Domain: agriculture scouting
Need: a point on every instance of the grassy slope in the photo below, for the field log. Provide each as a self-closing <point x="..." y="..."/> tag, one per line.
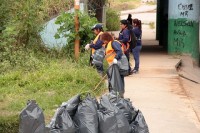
<point x="53" y="83"/>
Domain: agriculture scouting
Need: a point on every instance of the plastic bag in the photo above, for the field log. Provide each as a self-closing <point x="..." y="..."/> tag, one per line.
<point x="139" y="124"/>
<point x="32" y="119"/>
<point x="122" y="122"/>
<point x="86" y="117"/>
<point x="115" y="80"/>
<point x="61" y="122"/>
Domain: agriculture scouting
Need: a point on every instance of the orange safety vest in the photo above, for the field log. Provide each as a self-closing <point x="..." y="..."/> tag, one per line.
<point x="110" y="52"/>
<point x="95" y="40"/>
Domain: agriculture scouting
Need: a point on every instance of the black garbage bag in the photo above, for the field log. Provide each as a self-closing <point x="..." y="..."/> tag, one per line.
<point x="124" y="105"/>
<point x="139" y="125"/>
<point x="107" y="121"/>
<point x="71" y="105"/>
<point x="108" y="102"/>
<point x="86" y="117"/>
<point x="127" y="109"/>
<point x="114" y="79"/>
<point x="61" y="122"/>
<point x="32" y="119"/>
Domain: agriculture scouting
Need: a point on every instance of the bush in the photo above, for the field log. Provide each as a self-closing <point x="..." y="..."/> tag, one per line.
<point x="67" y="29"/>
<point x="112" y="20"/>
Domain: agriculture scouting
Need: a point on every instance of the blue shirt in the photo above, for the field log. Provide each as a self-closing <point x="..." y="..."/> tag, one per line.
<point x="138" y="34"/>
<point x="124" y="36"/>
<point x="98" y="44"/>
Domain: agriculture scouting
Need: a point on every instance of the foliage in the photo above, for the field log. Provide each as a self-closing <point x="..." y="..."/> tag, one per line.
<point x="20" y="23"/>
<point x="67" y="29"/>
<point x="112" y="20"/>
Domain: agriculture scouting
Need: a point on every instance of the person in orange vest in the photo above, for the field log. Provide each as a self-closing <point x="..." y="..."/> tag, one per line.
<point x="114" y="51"/>
<point x="95" y="45"/>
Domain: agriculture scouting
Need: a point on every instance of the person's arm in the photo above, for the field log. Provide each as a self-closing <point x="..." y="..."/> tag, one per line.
<point x="98" y="44"/>
<point x="125" y="37"/>
<point x="117" y="47"/>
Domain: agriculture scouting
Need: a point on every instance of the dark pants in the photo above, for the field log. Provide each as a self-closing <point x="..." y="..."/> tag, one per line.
<point x="127" y="53"/>
<point x="136" y="56"/>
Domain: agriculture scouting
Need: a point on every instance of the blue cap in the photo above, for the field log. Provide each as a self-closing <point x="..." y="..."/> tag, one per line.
<point x="97" y="26"/>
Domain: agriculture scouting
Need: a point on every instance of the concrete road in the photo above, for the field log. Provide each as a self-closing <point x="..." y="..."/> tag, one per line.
<point x="158" y="91"/>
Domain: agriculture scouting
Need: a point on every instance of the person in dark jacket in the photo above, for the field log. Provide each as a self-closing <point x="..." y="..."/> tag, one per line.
<point x="136" y="51"/>
<point x="124" y="38"/>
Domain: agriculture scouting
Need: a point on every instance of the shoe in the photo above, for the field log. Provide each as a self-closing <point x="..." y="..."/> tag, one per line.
<point x="133" y="71"/>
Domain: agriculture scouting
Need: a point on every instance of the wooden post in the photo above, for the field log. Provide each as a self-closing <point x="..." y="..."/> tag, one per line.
<point x="77" y="40"/>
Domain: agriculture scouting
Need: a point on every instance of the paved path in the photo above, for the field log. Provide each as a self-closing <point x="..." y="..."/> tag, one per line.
<point x="170" y="103"/>
<point x="158" y="92"/>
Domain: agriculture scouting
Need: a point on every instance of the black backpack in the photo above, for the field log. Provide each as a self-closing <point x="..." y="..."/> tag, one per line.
<point x="132" y="40"/>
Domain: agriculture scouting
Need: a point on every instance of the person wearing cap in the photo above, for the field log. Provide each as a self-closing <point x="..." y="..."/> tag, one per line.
<point x="96" y="44"/>
<point x="124" y="37"/>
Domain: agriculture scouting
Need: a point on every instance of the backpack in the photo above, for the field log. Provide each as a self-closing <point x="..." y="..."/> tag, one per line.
<point x="133" y="39"/>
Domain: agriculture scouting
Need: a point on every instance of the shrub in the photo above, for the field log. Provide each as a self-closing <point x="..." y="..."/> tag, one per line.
<point x="112" y="20"/>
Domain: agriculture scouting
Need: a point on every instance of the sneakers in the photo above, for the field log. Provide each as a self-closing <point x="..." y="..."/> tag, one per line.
<point x="133" y="71"/>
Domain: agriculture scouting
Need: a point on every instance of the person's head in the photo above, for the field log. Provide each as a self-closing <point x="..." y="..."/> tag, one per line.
<point x="97" y="28"/>
<point x="124" y="23"/>
<point x="106" y="37"/>
<point x="137" y="23"/>
<point x="129" y="16"/>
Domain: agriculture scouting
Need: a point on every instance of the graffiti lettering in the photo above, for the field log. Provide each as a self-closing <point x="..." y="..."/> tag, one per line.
<point x="184" y="23"/>
<point x="180" y="33"/>
<point x="179" y="42"/>
<point x="184" y="14"/>
<point x="185" y="6"/>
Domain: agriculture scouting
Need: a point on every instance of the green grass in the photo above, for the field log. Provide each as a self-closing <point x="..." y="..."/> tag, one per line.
<point x="54" y="82"/>
<point x="120" y="5"/>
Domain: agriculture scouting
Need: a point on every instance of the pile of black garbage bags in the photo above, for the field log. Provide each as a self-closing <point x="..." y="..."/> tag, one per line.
<point x="84" y="114"/>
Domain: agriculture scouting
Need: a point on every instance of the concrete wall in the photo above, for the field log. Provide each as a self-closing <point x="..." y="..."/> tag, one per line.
<point x="184" y="27"/>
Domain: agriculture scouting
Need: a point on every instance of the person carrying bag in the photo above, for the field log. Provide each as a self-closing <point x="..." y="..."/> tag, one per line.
<point x="114" y="54"/>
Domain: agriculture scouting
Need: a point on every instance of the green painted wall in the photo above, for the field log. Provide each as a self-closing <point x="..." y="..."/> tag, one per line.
<point x="183" y="37"/>
<point x="183" y="30"/>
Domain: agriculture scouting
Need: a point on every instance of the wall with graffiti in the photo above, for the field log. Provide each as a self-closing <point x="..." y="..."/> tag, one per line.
<point x="183" y="35"/>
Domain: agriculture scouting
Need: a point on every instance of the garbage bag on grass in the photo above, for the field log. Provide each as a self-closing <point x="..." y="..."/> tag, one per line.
<point x="127" y="108"/>
<point x="32" y="119"/>
<point x="124" y="105"/>
<point x="86" y="117"/>
<point x="139" y="125"/>
<point x="107" y="121"/>
<point x="108" y="102"/>
<point x="61" y="122"/>
<point x="72" y="104"/>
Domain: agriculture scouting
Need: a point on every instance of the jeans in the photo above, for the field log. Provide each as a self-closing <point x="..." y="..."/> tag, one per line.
<point x="128" y="57"/>
<point x="136" y="56"/>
